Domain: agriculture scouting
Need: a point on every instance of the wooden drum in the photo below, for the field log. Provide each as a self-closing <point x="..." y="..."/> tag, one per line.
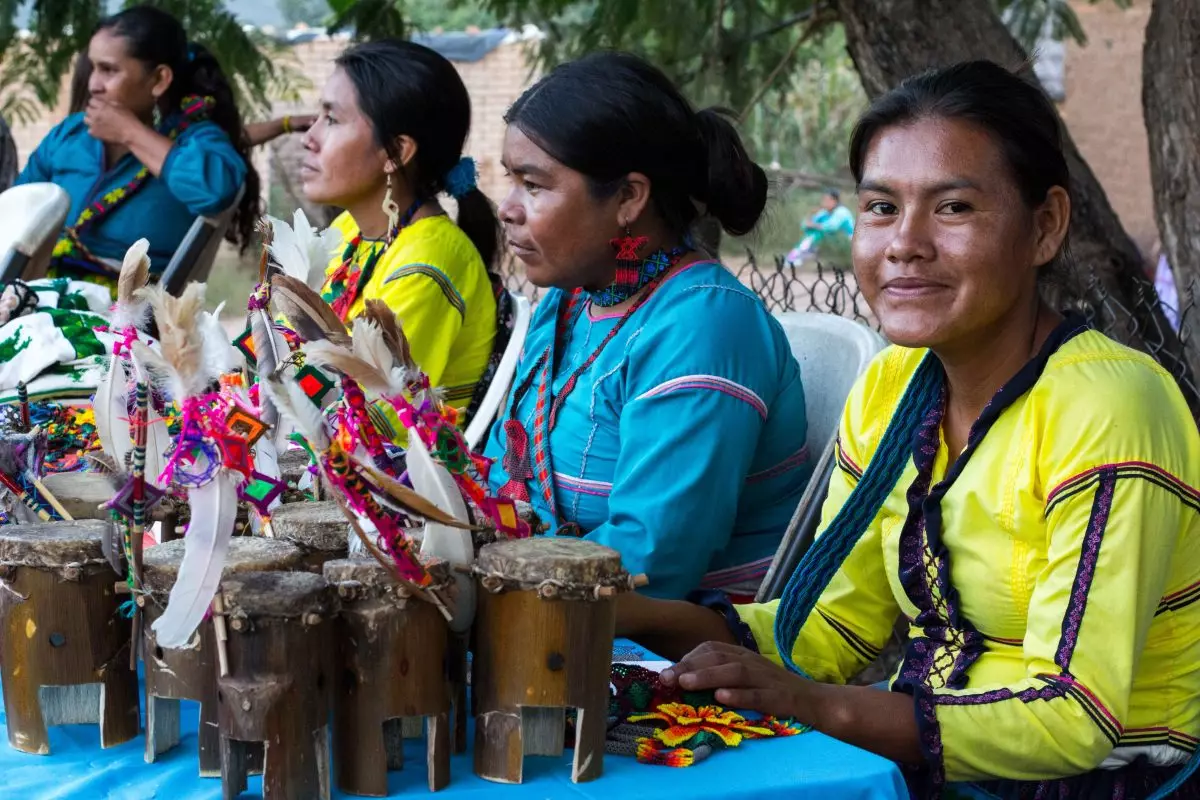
<point x="278" y="686"/>
<point x="320" y="529"/>
<point x="64" y="655"/>
<point x="544" y="635"/>
<point x="392" y="650"/>
<point x="190" y="673"/>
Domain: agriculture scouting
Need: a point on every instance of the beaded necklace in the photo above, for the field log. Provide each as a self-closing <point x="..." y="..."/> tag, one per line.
<point x="348" y="280"/>
<point x="516" y="459"/>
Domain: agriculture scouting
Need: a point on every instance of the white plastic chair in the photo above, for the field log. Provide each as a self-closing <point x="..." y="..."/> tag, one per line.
<point x="31" y="217"/>
<point x="833" y="351"/>
<point x="493" y="400"/>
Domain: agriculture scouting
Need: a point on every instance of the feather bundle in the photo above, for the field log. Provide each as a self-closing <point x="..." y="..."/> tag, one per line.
<point x="129" y="311"/>
<point x="377" y="312"/>
<point x="301" y="251"/>
<point x="307" y="311"/>
<point x="454" y="544"/>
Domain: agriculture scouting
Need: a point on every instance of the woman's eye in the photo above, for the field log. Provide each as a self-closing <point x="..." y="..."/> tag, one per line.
<point x="881" y="208"/>
<point x="955" y="207"/>
<point x="530" y="187"/>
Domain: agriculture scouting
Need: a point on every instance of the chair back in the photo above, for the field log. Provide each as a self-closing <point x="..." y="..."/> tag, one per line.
<point x="194" y="257"/>
<point x="32" y="216"/>
<point x="833" y="351"/>
<point x="497" y="391"/>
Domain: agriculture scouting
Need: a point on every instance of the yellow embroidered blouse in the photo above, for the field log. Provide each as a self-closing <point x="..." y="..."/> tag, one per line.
<point x="434" y="279"/>
<point x="1073" y="544"/>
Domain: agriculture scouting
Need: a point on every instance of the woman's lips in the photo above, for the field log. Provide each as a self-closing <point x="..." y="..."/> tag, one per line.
<point x="912" y="287"/>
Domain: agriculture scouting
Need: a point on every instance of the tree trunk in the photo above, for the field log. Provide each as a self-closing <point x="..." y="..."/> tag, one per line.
<point x="1171" y="99"/>
<point x="892" y="39"/>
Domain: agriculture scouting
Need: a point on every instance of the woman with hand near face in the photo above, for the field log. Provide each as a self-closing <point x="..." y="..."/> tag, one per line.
<point x="657" y="408"/>
<point x="1020" y="487"/>
<point x="394" y="117"/>
<point x="159" y="144"/>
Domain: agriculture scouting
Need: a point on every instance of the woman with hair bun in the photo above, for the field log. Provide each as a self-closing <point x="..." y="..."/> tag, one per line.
<point x="394" y="118"/>
<point x="657" y="408"/>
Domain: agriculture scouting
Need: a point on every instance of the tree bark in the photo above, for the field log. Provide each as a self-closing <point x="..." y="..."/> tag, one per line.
<point x="1171" y="102"/>
<point x="890" y="40"/>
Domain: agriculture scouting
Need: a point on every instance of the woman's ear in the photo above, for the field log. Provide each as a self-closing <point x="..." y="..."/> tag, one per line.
<point x="406" y="152"/>
<point x="162" y="76"/>
<point x="1052" y="218"/>
<point x="633" y="197"/>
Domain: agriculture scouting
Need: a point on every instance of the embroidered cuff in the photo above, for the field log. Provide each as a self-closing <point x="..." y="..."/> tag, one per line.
<point x="719" y="602"/>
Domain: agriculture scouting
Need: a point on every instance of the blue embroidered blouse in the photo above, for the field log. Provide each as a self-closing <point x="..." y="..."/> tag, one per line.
<point x="201" y="176"/>
<point x="682" y="447"/>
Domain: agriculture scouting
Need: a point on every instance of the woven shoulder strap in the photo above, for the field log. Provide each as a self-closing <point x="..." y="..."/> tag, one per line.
<point x="830" y="549"/>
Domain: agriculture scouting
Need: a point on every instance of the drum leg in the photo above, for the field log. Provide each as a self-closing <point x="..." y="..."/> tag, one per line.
<point x="457" y="657"/>
<point x="119" y="716"/>
<point x="209" y="736"/>
<point x="361" y="748"/>
<point x="499" y="755"/>
<point x="437" y="751"/>
<point x="591" y="727"/>
<point x="393" y="741"/>
<point x="26" y="727"/>
<point x="293" y="769"/>
<point x="162" y="726"/>
<point x="233" y="768"/>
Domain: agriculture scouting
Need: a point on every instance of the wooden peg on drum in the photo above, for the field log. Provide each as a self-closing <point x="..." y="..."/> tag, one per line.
<point x="544" y="634"/>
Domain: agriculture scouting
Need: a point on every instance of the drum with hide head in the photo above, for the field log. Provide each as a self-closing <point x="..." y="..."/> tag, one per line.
<point x="64" y="648"/>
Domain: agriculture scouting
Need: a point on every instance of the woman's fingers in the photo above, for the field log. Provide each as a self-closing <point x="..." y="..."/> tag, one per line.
<point x="707" y="654"/>
<point x="721" y="675"/>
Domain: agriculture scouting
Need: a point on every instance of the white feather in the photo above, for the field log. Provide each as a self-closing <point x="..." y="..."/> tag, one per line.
<point x="433" y="482"/>
<point x="214" y="509"/>
<point x="300" y="250"/>
<point x="369" y="345"/>
<point x="295" y="406"/>
<point x="220" y="355"/>
<point x="110" y="405"/>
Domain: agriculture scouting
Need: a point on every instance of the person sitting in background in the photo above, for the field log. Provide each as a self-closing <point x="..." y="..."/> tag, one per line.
<point x="829" y="220"/>
<point x="394" y="118"/>
<point x="1021" y="490"/>
<point x="159" y="144"/>
<point x="257" y="133"/>
<point x="657" y="408"/>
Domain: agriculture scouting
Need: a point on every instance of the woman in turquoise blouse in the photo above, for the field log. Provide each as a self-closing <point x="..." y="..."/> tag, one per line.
<point x="160" y="143"/>
<point x="672" y="426"/>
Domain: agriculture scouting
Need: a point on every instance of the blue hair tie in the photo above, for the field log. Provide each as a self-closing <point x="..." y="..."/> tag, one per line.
<point x="461" y="179"/>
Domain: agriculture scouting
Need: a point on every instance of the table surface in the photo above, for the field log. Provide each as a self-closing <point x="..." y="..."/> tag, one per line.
<point x="811" y="765"/>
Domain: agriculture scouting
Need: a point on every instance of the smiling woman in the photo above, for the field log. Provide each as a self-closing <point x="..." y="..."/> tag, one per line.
<point x="394" y="118"/>
<point x="1020" y="488"/>
<point x="657" y="408"/>
<point x="159" y="143"/>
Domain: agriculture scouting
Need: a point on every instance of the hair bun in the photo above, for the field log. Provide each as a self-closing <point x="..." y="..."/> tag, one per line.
<point x="736" y="190"/>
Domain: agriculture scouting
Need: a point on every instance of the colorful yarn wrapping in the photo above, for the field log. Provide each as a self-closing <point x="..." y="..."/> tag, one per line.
<point x="200" y="434"/>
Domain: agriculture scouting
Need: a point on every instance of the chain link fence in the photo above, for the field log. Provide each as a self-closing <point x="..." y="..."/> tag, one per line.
<point x="833" y="290"/>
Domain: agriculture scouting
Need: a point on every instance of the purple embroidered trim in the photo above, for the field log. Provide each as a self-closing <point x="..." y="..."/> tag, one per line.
<point x="1088" y="555"/>
<point x="796" y="459"/>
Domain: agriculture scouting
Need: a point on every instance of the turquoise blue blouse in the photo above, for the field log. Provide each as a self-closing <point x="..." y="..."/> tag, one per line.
<point x="201" y="176"/>
<point x="682" y="446"/>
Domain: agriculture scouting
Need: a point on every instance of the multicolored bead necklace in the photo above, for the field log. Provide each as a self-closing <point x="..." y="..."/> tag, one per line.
<point x="346" y="283"/>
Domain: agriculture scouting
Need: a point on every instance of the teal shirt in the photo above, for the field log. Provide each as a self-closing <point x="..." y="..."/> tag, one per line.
<point x="682" y="446"/>
<point x="840" y="220"/>
<point x="201" y="176"/>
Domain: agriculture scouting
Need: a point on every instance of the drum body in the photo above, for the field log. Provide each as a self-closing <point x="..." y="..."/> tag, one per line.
<point x="190" y="673"/>
<point x="64" y="646"/>
<point x="278" y="687"/>
<point x="392" y="650"/>
<point x="544" y="635"/>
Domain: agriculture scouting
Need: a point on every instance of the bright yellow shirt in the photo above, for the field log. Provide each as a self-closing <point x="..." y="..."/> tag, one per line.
<point x="1073" y="541"/>
<point x="434" y="279"/>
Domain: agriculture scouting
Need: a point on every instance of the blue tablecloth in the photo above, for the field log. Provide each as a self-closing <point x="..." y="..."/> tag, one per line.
<point x="807" y="766"/>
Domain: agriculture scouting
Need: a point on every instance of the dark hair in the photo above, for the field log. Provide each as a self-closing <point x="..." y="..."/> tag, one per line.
<point x="406" y="89"/>
<point x="80" y="76"/>
<point x="610" y="114"/>
<point x="834" y="193"/>
<point x="1012" y="109"/>
<point x="154" y="37"/>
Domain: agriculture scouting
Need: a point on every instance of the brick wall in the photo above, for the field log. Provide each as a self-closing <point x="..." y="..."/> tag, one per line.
<point x="1103" y="109"/>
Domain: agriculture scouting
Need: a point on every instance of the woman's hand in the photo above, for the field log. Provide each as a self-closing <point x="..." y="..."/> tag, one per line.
<point x="111" y="123"/>
<point x="299" y="123"/>
<point x="743" y="680"/>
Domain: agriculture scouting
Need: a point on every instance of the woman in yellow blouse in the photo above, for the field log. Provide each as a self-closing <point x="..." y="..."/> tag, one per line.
<point x="1021" y="488"/>
<point x="394" y="117"/>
